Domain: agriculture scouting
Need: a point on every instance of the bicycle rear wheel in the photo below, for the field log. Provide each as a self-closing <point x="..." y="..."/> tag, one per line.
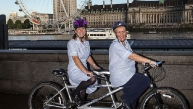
<point x="42" y="92"/>
<point x="169" y="98"/>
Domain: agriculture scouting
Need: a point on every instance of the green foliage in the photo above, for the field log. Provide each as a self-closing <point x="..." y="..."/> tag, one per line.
<point x="10" y="24"/>
<point x="18" y="24"/>
<point x="26" y="24"/>
<point x="161" y="1"/>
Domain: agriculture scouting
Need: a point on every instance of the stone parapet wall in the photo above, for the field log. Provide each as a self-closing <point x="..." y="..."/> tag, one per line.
<point x="21" y="70"/>
<point x="162" y="35"/>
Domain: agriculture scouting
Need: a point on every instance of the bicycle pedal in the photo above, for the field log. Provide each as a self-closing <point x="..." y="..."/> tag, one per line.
<point x="71" y="105"/>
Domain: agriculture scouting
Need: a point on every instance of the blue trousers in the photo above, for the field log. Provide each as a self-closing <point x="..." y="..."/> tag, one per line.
<point x="134" y="88"/>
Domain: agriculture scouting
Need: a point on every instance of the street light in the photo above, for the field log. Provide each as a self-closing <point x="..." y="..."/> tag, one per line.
<point x="134" y="16"/>
<point x="191" y="17"/>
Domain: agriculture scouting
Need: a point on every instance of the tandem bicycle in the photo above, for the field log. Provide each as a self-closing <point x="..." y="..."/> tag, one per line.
<point x="52" y="95"/>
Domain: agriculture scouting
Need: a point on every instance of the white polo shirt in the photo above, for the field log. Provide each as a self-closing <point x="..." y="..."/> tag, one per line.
<point x="82" y="50"/>
<point x="120" y="66"/>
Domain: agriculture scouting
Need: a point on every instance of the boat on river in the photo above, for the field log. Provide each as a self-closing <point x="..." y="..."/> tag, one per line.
<point x="102" y="33"/>
<point x="151" y="32"/>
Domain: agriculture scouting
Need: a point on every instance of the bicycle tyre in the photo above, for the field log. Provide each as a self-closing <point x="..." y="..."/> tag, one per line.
<point x="41" y="92"/>
<point x="171" y="99"/>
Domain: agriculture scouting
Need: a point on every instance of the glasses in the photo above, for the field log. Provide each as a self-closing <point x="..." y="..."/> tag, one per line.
<point x="121" y="32"/>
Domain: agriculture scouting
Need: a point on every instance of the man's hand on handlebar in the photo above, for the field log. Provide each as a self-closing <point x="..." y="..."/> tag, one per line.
<point x="97" y="67"/>
<point x="153" y="64"/>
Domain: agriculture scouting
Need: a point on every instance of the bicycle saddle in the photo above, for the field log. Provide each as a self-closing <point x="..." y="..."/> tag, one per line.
<point x="59" y="72"/>
<point x="101" y="71"/>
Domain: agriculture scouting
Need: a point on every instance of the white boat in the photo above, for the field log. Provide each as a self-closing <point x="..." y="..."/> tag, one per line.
<point x="151" y="32"/>
<point x="102" y="33"/>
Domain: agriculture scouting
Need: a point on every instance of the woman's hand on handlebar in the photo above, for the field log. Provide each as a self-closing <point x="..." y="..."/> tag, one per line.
<point x="89" y="73"/>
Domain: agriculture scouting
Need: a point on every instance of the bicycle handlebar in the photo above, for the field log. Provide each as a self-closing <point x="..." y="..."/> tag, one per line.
<point x="98" y="76"/>
<point x="148" y="66"/>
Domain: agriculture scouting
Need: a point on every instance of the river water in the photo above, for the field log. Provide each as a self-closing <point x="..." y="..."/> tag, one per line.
<point x="40" y="37"/>
<point x="133" y="35"/>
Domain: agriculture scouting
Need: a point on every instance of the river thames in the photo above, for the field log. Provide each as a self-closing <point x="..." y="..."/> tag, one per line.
<point x="133" y="35"/>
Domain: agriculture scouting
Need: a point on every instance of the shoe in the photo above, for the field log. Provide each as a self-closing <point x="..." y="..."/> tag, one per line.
<point x="125" y="104"/>
<point x="127" y="107"/>
<point x="77" y="99"/>
<point x="70" y="105"/>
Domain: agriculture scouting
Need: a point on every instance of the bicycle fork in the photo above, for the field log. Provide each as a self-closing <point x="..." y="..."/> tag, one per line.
<point x="158" y="100"/>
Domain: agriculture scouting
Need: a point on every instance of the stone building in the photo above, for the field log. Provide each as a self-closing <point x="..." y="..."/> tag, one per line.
<point x="13" y="15"/>
<point x="64" y="8"/>
<point x="140" y="13"/>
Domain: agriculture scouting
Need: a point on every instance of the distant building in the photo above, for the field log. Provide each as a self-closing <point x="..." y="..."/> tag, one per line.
<point x="105" y="15"/>
<point x="70" y="6"/>
<point x="42" y="17"/>
<point x="13" y="15"/>
<point x="141" y="13"/>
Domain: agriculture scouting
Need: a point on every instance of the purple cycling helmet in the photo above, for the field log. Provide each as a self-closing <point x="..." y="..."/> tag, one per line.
<point x="80" y="23"/>
<point x="119" y="23"/>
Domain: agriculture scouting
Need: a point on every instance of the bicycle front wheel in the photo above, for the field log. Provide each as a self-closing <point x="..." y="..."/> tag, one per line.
<point x="164" y="98"/>
<point x="42" y="92"/>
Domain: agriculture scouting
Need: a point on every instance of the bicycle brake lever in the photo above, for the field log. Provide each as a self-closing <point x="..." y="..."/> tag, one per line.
<point x="159" y="63"/>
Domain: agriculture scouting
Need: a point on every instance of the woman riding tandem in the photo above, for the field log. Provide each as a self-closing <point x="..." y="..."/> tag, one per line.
<point x="79" y="54"/>
<point x="122" y="67"/>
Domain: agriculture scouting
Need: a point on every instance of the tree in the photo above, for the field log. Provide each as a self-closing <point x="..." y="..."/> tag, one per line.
<point x="10" y="24"/>
<point x="26" y="24"/>
<point x="18" y="24"/>
<point x="161" y="1"/>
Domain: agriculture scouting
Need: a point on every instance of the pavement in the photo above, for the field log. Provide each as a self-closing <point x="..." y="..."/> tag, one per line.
<point x="13" y="101"/>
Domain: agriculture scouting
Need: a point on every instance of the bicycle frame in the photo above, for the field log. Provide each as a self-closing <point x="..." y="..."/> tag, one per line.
<point x="86" y="105"/>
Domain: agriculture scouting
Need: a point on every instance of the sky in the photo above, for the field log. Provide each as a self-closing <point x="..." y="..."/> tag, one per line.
<point x="6" y="6"/>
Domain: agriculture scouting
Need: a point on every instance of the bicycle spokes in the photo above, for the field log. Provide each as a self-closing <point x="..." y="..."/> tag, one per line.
<point x="164" y="98"/>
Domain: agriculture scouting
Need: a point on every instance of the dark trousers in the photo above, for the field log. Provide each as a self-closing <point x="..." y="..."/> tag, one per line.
<point x="134" y="88"/>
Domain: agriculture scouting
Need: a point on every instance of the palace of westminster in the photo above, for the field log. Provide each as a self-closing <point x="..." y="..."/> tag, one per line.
<point x="139" y="13"/>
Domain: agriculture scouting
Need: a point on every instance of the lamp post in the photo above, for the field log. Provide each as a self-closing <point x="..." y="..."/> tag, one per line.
<point x="191" y="17"/>
<point x="134" y="16"/>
